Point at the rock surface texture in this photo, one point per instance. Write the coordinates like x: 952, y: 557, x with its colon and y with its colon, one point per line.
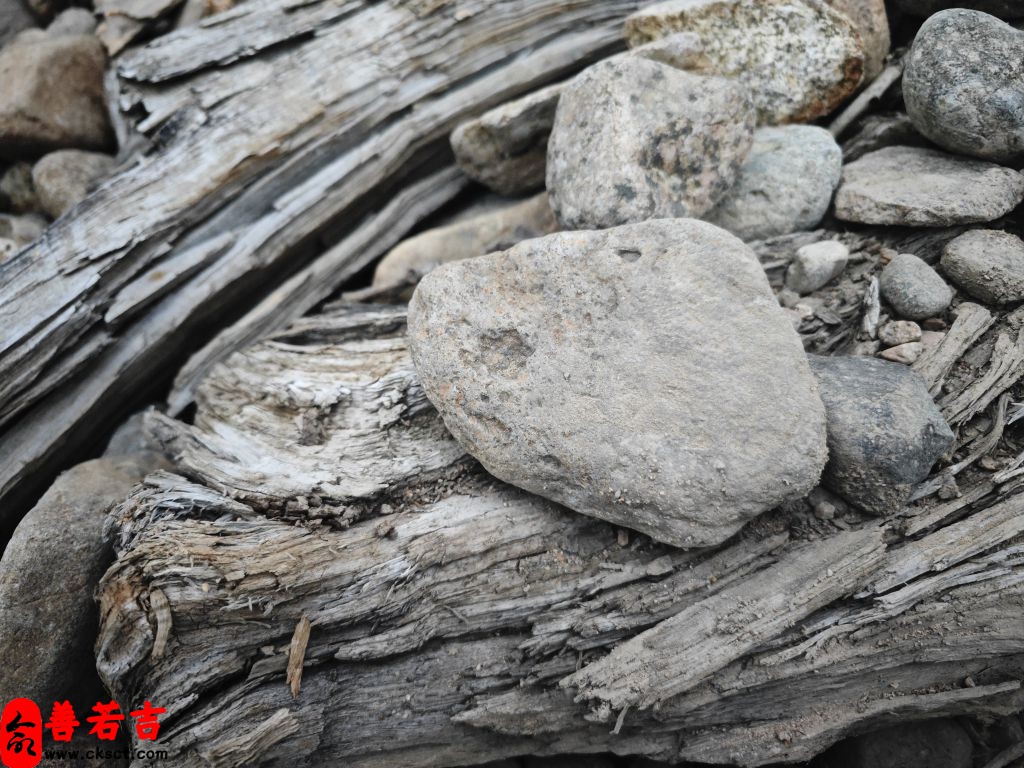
x: 1004, y: 9
x: 799, y: 60
x: 63, y: 178
x: 505, y: 148
x: 576, y: 366
x: 913, y: 288
x: 816, y: 265
x: 964, y: 85
x: 986, y: 264
x: 635, y: 139
x: 884, y: 430
x: 51, y: 94
x: 920, y: 187
x: 785, y: 185
x: 495, y: 229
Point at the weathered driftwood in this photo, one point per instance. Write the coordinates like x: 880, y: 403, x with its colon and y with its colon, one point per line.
x: 283, y: 136
x: 457, y: 620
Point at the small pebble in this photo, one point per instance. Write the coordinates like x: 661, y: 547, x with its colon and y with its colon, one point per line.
x: 904, y: 353
x: 816, y: 265
x: 913, y: 288
x: 897, y: 332
x: 931, y: 339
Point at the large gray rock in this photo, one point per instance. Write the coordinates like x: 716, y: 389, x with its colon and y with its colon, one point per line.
x: 884, y: 431
x: 497, y: 228
x: 798, y: 60
x: 986, y: 264
x: 644, y: 375
x: 872, y: 22
x: 913, y: 288
x: 785, y: 185
x: 506, y: 148
x: 51, y: 94
x: 1004, y: 9
x: 48, y: 573
x: 63, y: 178
x: 635, y: 139
x: 964, y: 85
x: 920, y: 187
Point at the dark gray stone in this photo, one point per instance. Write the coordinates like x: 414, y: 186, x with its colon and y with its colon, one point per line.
x: 986, y: 264
x: 635, y: 139
x: 884, y: 430
x: 914, y: 289
x: 14, y: 17
x: 939, y: 743
x: 964, y: 85
x: 48, y: 574
x: 644, y: 375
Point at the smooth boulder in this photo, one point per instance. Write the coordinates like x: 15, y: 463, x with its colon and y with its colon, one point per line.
x: 964, y: 85
x: 644, y: 375
x: 48, y: 573
x: 635, y: 139
x: 495, y: 229
x: 913, y: 288
x: 798, y: 60
x: 785, y: 185
x: 52, y: 95
x: 505, y: 148
x: 63, y: 178
x: 987, y: 265
x: 918, y: 187
x: 884, y: 430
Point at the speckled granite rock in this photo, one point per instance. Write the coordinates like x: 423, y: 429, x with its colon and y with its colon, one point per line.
x: 635, y: 139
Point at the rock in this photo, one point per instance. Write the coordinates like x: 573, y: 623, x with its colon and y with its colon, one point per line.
x: 1005, y: 9
x: 48, y: 620
x: 986, y: 264
x: 14, y: 18
x: 964, y: 85
x: 798, y: 60
x: 17, y: 193
x: 63, y: 178
x: 635, y: 139
x: 921, y: 187
x: 73, y: 21
x: 785, y: 185
x: 816, y: 265
x: 22, y: 229
x: 644, y: 375
x: 913, y: 288
x: 51, y: 95
x: 495, y: 229
x: 506, y: 148
x: 896, y: 332
x: 929, y: 744
x: 884, y: 431
x: 931, y: 339
x: 905, y: 354
x: 872, y: 23
x: 682, y: 50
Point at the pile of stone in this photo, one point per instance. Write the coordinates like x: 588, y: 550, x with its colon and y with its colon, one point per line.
x: 56, y: 138
x: 636, y: 364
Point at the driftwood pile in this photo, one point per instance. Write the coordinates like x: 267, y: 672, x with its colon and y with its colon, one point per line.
x: 322, y: 566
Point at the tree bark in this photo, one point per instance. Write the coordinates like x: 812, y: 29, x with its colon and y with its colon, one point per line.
x: 444, y: 618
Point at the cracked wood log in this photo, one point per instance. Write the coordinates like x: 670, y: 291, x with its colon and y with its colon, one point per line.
x: 290, y: 145
x: 454, y: 620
